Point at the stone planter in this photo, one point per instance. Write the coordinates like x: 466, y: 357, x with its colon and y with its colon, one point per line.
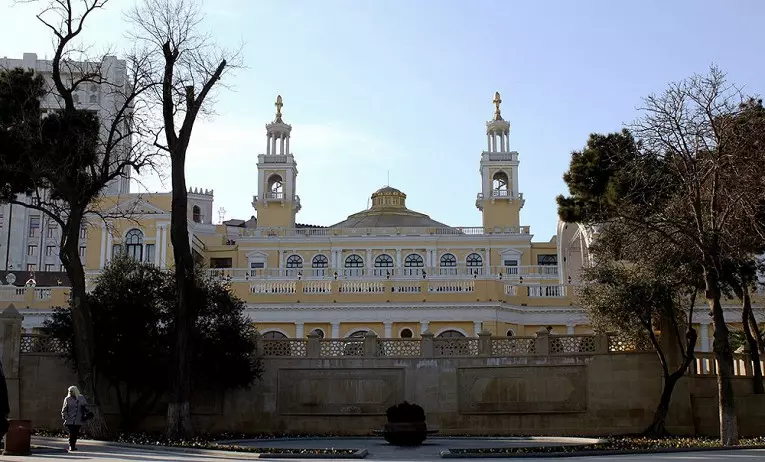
x: 405, y: 433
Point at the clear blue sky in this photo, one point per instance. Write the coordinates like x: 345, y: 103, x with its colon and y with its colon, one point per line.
x: 406, y: 86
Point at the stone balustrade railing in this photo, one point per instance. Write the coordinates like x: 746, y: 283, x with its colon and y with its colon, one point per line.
x: 705, y: 364
x: 397, y: 231
x: 509, y: 273
x: 428, y: 346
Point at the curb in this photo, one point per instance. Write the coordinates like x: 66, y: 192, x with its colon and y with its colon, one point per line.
x: 219, y: 453
x: 447, y: 454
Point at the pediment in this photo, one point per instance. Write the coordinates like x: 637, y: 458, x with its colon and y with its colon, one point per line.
x: 136, y: 207
x: 511, y: 252
x: 257, y: 254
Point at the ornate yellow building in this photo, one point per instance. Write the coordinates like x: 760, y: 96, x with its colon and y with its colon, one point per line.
x: 387, y: 269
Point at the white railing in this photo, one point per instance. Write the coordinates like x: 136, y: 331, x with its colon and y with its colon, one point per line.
x: 451, y: 286
x: 453, y: 272
x: 273, y: 287
x: 317, y: 287
x: 43, y: 294
x: 361, y: 287
x: 12, y: 294
x: 547, y: 291
x: 511, y: 290
x: 402, y: 231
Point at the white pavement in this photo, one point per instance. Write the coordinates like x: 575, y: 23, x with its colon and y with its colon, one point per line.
x: 98, y: 451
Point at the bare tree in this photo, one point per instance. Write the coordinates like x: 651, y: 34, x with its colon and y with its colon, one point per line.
x: 76, y: 152
x: 189, y: 66
x: 696, y: 127
x: 693, y: 175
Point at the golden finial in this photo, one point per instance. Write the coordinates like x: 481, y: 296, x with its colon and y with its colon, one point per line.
x: 497, y: 101
x: 279, y: 105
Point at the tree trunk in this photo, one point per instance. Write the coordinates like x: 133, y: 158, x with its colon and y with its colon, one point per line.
x: 757, y: 334
x: 82, y: 323
x: 724, y: 358
x: 754, y: 352
x: 178, y: 408
x: 658, y: 429
x: 658, y: 426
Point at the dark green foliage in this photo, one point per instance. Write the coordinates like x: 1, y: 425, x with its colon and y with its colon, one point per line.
x: 132, y: 306
x: 405, y: 412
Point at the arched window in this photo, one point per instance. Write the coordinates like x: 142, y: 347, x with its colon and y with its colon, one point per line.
x: 406, y: 333
x: 134, y: 244
x: 319, y: 265
x: 499, y: 184
x: 318, y: 332
x: 412, y: 264
x: 358, y: 334
x: 275, y: 187
x: 294, y: 261
x: 354, y: 265
x: 510, y: 333
x: 448, y: 264
x: 474, y: 262
x: 450, y: 343
x: 274, y: 335
x: 293, y: 264
x: 383, y: 263
x: 451, y: 334
x: 196, y: 214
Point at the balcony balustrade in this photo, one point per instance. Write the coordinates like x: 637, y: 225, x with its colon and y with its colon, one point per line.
x: 399, y: 231
x: 510, y: 273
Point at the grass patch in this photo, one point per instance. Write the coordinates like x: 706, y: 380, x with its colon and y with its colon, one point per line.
x: 619, y: 444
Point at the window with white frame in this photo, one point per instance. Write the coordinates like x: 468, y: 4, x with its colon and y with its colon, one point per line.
x: 34, y: 226
x: 150, y: 253
x: 31, y: 250
x: 413, y: 264
x: 383, y: 265
x: 354, y: 265
x: 448, y: 263
x: 134, y: 244
x: 49, y: 267
x: 319, y: 265
x: 50, y: 250
x: 294, y: 264
x: 474, y: 262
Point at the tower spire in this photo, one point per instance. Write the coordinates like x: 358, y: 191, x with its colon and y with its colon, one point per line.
x: 497, y: 101
x: 279, y: 105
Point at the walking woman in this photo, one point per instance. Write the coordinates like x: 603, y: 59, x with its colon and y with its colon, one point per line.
x: 73, y: 412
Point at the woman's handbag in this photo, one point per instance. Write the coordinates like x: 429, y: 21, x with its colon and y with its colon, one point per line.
x: 86, y: 414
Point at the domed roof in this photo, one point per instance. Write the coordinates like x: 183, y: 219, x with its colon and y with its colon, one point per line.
x: 389, y: 211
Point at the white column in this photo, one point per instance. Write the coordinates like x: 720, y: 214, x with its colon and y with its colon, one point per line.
x: 157, y: 245
x: 109, y: 245
x: 704, y: 346
x: 427, y: 258
x: 398, y: 258
x: 335, y: 330
x: 570, y: 329
x: 281, y: 147
x: 163, y: 259
x: 102, y: 261
x: 488, y: 142
x: 299, y: 329
x: 388, y: 329
x: 493, y: 143
x: 476, y: 328
x: 369, y: 259
x: 424, y: 325
x: 273, y: 145
x: 281, y: 259
x: 502, y: 142
x: 487, y: 262
x: 287, y: 143
x: 268, y: 145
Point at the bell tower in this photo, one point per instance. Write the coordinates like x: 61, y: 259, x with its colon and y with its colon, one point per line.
x: 276, y: 202
x: 499, y: 199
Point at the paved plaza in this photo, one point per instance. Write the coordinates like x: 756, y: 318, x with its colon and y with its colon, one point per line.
x: 98, y: 451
